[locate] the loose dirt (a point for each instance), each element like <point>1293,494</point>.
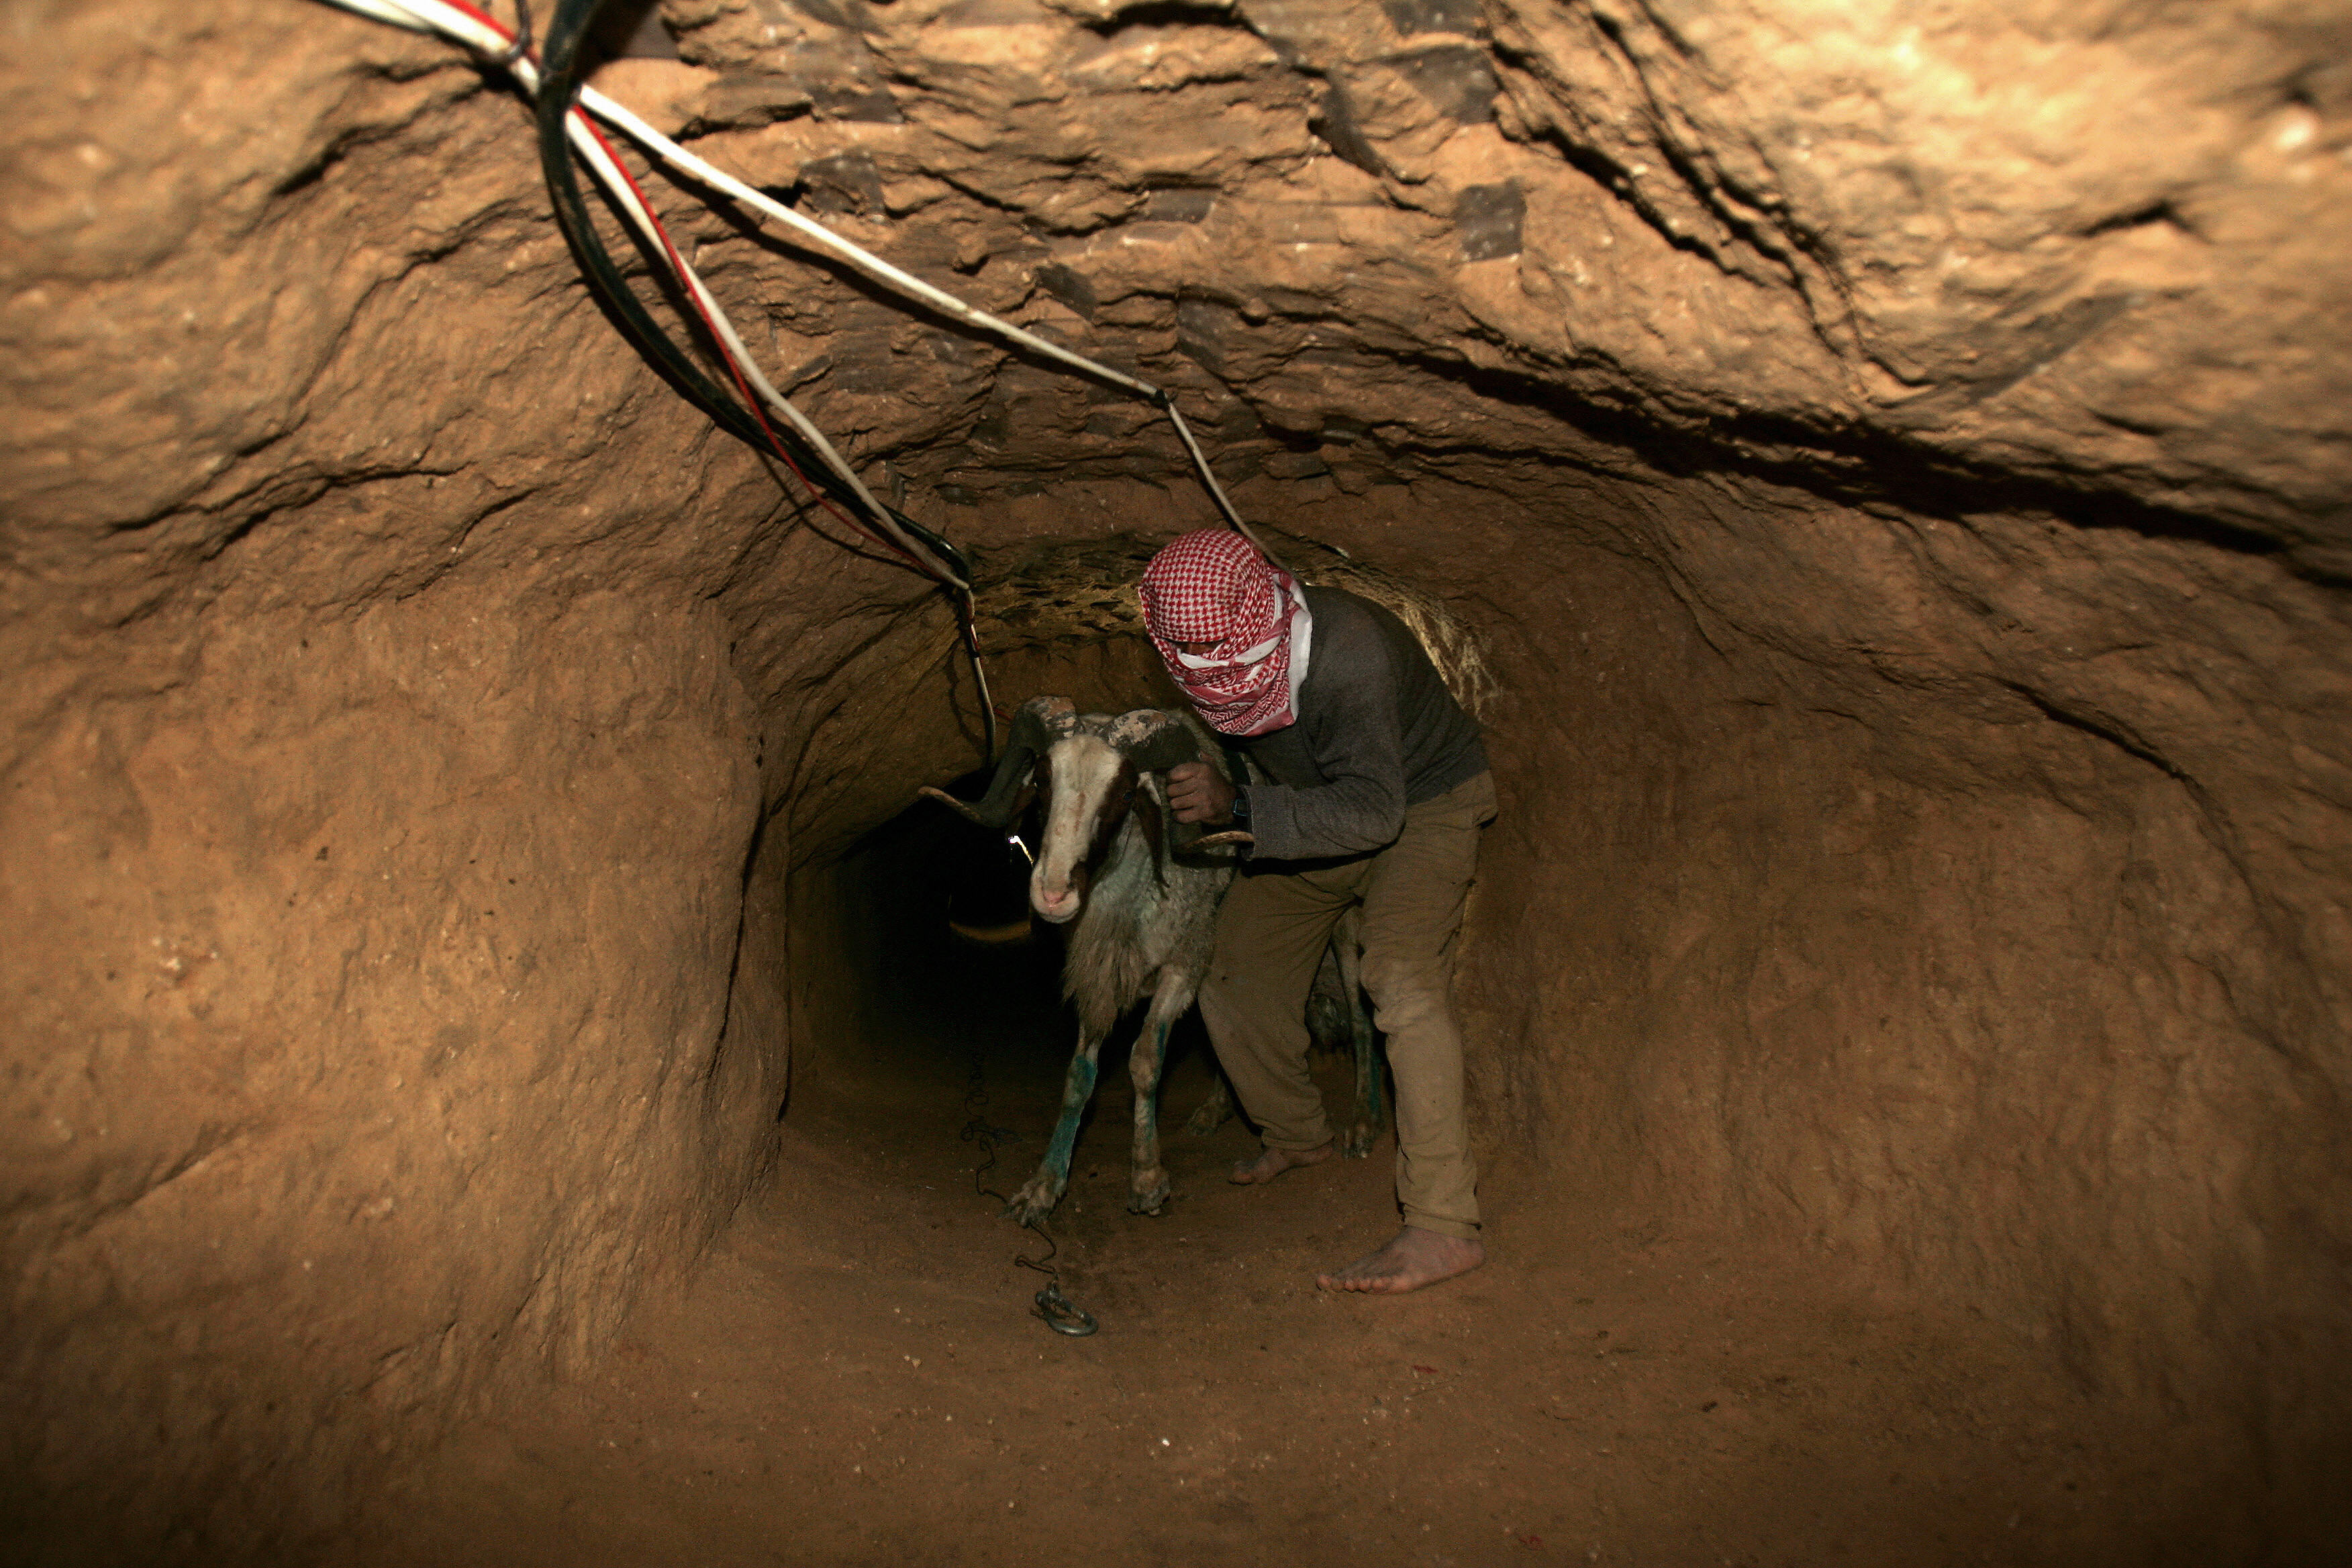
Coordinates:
<point>856,1378</point>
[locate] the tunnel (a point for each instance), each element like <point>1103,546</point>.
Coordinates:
<point>505,1067</point>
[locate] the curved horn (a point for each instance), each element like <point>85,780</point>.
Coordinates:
<point>1039,724</point>
<point>1156,740</point>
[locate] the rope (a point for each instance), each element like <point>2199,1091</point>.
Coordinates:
<point>1060,1314</point>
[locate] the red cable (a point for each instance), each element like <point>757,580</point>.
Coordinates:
<point>734,370</point>
<point>717,343</point>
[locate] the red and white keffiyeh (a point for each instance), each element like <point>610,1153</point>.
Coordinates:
<point>1213,587</point>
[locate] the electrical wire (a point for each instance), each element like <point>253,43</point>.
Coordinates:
<point>550,76</point>
<point>940,559</point>
<point>429,15</point>
<point>971,616</point>
<point>914,545</point>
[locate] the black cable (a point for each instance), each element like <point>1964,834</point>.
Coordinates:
<point>1055,1311</point>
<point>933,541</point>
<point>559,89</point>
<point>559,92</point>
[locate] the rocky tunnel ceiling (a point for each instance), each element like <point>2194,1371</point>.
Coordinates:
<point>2011,257</point>
<point>2078,250</point>
<point>1890,460</point>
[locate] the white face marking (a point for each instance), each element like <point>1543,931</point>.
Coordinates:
<point>1084,768</point>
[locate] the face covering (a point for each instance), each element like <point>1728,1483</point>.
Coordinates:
<point>1213,587</point>
<point>1210,661</point>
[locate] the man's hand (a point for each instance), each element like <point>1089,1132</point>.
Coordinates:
<point>1199,793</point>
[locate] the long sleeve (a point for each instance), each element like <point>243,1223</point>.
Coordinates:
<point>1356,735</point>
<point>1376,732</point>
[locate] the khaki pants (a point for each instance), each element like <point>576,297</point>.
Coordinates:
<point>1271,935</point>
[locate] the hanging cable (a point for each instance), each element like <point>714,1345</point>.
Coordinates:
<point>970,618</point>
<point>459,20</point>
<point>915,545</point>
<point>550,76</point>
<point>560,128</point>
<point>804,448</point>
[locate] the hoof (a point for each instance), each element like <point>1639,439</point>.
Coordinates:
<point>1033,1202</point>
<point>1023,1213</point>
<point>1357,1142</point>
<point>1148,1195</point>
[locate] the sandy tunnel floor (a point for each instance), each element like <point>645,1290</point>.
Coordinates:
<point>854,1379</point>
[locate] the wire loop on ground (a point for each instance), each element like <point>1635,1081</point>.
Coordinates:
<point>1060,1314</point>
<point>1063,1315</point>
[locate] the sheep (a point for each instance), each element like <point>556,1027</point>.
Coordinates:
<point>1139,892</point>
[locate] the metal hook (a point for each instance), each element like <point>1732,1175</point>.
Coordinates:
<point>522,39</point>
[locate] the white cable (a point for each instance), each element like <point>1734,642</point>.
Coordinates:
<point>611,177</point>
<point>971,630</point>
<point>398,16</point>
<point>874,267</point>
<point>432,16</point>
<point>600,163</point>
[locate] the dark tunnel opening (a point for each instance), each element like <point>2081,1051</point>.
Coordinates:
<point>928,989</point>
<point>958,995</point>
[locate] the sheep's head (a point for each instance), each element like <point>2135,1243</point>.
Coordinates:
<point>1087,787</point>
<point>1090,774</point>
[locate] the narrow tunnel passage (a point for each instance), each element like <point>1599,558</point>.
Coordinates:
<point>857,1355</point>
<point>488,1056</point>
<point>1620,1386</point>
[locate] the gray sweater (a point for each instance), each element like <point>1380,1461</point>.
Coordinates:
<point>1376,732</point>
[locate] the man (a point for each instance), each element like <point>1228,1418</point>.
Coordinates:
<point>1379,788</point>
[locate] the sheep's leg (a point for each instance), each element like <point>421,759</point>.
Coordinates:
<point>1038,1195</point>
<point>1213,1112</point>
<point>1148,1184</point>
<point>1364,1127</point>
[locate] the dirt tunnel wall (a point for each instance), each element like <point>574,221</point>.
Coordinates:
<point>1921,729</point>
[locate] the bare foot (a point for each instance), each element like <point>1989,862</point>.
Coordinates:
<point>1272,1162</point>
<point>1414,1258</point>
